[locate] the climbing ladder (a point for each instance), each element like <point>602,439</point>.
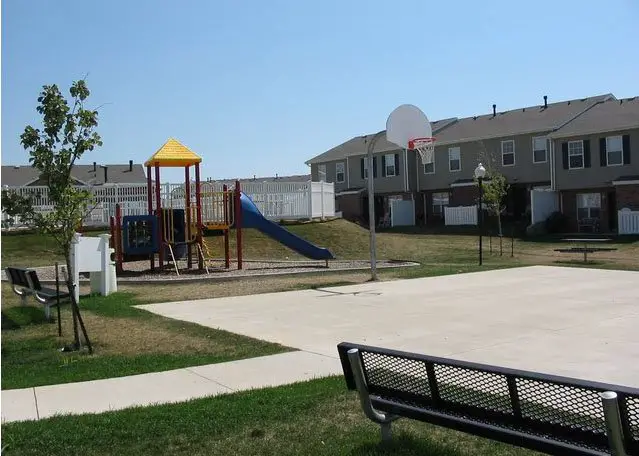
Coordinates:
<point>175,265</point>
<point>201,254</point>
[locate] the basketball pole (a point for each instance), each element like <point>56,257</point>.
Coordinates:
<point>371,204</point>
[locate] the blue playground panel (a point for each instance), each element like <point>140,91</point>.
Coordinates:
<point>140,235</point>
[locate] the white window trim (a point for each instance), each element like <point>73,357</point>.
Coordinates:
<point>580,141</point>
<point>608,151</point>
<point>545,149</point>
<point>321,170</point>
<point>424,166</point>
<point>589,207</point>
<point>337,181</point>
<point>449,160</point>
<point>365,168</point>
<point>386,165</point>
<point>513,152</point>
<point>432,202</point>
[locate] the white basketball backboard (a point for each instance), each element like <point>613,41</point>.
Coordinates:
<point>407,122</point>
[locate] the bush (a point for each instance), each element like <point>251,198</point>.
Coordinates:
<point>557,223</point>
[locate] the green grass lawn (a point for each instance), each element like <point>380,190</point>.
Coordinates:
<point>313,418</point>
<point>126,341</point>
<point>130,341</point>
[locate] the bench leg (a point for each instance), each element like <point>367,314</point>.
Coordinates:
<point>383,419</point>
<point>614,430</point>
<point>47,312</point>
<point>387,433</point>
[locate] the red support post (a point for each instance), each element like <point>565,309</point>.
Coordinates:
<point>238,223</point>
<point>187,215</point>
<point>158,200</point>
<point>227,247</point>
<point>198,212</point>
<point>149,199</point>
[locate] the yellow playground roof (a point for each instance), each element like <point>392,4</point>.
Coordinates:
<point>173,153</point>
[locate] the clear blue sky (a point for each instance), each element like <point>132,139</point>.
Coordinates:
<point>258,87</point>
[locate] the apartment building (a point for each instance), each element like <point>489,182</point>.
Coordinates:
<point>527,145</point>
<point>595,167</point>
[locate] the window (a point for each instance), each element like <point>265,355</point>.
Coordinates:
<point>588,205</point>
<point>539,149</point>
<point>429,168</point>
<point>321,173</point>
<point>614,151</point>
<point>389,164</point>
<point>575,154</point>
<point>508,153</point>
<point>339,172</point>
<point>440,201</point>
<point>454,159</point>
<point>365,167</point>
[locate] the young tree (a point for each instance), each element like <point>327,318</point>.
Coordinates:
<point>68,132</point>
<point>495,187</point>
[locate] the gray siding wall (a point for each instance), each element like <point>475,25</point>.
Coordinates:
<point>382,184</point>
<point>489,153</point>
<point>331,174</point>
<point>596,176</point>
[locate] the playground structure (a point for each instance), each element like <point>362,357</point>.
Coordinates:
<point>174,226</point>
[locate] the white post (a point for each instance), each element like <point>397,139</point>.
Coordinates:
<point>75,266</point>
<point>322,199</point>
<point>105,260</point>
<point>310,200</point>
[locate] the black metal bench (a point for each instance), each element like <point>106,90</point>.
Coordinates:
<point>551,414</point>
<point>25,283</point>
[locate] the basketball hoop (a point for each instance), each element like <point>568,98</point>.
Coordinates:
<point>425,147</point>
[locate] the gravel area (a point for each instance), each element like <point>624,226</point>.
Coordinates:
<point>139,272</point>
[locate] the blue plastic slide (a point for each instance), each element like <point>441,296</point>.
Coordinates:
<point>253,218</point>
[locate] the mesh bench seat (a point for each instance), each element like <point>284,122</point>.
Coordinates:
<point>552,414</point>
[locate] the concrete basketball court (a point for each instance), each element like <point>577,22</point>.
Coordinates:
<point>576,322</point>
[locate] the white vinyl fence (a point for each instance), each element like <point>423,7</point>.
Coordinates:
<point>402,212</point>
<point>628,221</point>
<point>276,200</point>
<point>460,215</point>
<point>542,204</point>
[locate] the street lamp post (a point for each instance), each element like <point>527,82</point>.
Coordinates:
<point>480,172</point>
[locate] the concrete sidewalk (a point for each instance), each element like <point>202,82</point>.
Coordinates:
<point>165,387</point>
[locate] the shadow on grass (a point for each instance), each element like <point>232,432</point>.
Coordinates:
<point>18,317</point>
<point>558,238</point>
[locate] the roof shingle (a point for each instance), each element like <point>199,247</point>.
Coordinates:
<point>611,115</point>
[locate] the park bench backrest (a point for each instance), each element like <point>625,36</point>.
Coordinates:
<point>18,277</point>
<point>558,408</point>
<point>35,282</point>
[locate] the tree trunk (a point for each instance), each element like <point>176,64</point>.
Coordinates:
<point>75,309</point>
<point>74,304</point>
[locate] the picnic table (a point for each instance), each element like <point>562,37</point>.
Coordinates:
<point>588,246</point>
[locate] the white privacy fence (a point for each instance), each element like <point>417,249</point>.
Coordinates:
<point>628,221</point>
<point>542,204</point>
<point>460,215</point>
<point>402,212</point>
<point>276,200</point>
